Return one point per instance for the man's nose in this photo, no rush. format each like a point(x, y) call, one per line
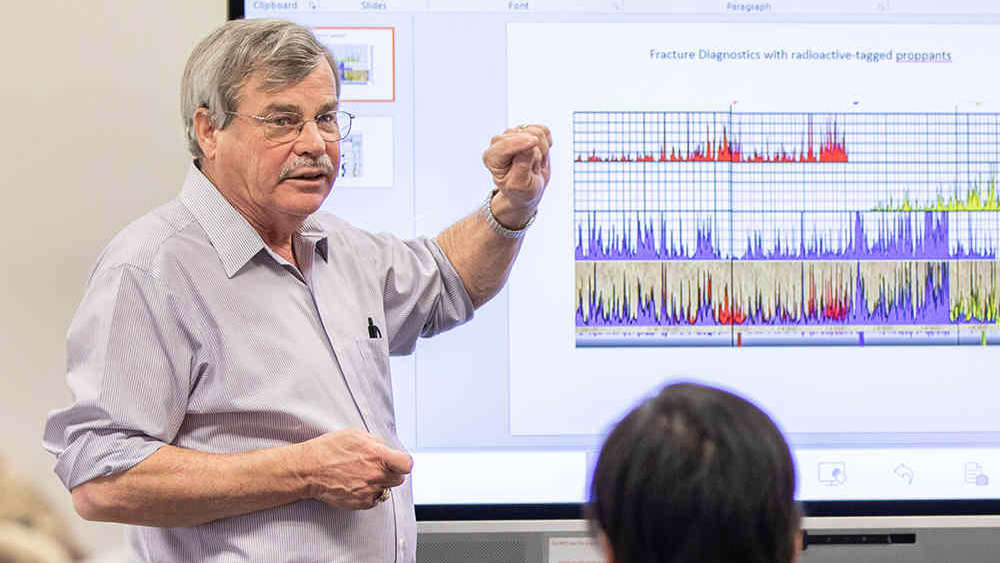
point(309, 140)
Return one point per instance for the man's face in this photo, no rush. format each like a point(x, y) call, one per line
point(272, 182)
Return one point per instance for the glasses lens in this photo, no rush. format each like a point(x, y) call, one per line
point(343, 124)
point(282, 127)
point(332, 126)
point(328, 126)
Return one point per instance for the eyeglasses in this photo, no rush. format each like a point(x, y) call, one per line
point(285, 127)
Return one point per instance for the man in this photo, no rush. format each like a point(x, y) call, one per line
point(695, 474)
point(229, 361)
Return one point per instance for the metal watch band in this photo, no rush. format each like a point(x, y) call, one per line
point(497, 227)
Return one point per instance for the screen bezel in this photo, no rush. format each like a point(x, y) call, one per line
point(574, 511)
point(821, 508)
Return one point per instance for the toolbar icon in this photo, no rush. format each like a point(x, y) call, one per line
point(832, 473)
point(904, 472)
point(974, 475)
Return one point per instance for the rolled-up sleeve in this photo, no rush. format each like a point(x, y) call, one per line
point(422, 293)
point(129, 363)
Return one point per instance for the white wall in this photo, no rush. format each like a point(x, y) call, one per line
point(90, 139)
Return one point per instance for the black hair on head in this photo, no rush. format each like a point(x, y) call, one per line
point(696, 475)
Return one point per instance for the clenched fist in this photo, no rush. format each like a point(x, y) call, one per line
point(350, 468)
point(518, 159)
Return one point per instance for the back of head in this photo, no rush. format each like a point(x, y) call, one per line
point(696, 475)
point(282, 52)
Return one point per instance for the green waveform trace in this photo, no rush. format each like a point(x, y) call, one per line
point(975, 199)
point(978, 302)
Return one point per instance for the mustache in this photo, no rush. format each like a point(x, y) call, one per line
point(306, 162)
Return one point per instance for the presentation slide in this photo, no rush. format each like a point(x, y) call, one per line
point(795, 201)
point(366, 155)
point(365, 57)
point(804, 213)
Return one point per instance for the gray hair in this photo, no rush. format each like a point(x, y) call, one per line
point(222, 63)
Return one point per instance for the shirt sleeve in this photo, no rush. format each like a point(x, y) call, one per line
point(423, 294)
point(128, 367)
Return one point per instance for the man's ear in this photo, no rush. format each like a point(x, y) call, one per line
point(206, 133)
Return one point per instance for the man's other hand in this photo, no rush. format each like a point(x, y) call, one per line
point(350, 468)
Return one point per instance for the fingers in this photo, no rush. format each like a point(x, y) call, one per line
point(397, 461)
point(372, 495)
point(515, 140)
point(351, 468)
point(379, 497)
point(540, 131)
point(390, 479)
point(518, 160)
point(520, 172)
point(503, 149)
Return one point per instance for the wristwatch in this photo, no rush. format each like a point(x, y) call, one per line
point(491, 219)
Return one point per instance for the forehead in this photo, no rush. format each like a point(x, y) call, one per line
point(316, 90)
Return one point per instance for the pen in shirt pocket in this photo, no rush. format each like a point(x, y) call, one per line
point(373, 331)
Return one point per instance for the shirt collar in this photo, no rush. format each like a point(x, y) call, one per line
point(313, 229)
point(231, 235)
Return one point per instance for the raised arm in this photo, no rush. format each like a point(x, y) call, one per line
point(482, 253)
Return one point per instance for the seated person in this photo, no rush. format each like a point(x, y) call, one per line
point(695, 475)
point(31, 530)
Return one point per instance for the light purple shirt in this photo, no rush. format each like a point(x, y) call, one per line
point(194, 333)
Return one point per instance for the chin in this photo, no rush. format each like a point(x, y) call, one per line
point(310, 206)
point(303, 202)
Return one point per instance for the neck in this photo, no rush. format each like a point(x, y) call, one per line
point(277, 237)
point(275, 229)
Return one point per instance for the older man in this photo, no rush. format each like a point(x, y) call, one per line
point(229, 361)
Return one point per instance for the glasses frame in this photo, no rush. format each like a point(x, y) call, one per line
point(263, 120)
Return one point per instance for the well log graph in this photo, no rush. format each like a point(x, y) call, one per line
point(786, 229)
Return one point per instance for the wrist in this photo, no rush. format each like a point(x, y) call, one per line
point(505, 218)
point(297, 461)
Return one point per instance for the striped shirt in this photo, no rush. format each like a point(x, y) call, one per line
point(192, 332)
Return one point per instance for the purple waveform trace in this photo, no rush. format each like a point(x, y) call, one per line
point(620, 244)
point(599, 315)
point(897, 239)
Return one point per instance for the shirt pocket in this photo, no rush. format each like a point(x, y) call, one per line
point(374, 376)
